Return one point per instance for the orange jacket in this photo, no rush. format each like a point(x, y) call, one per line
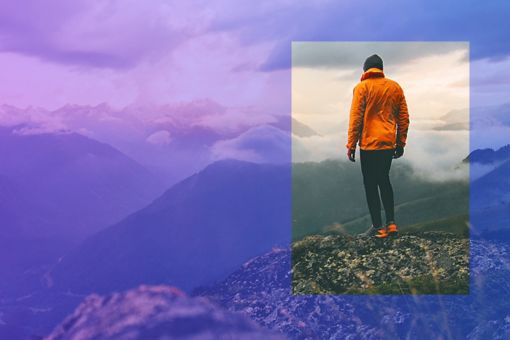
point(378, 118)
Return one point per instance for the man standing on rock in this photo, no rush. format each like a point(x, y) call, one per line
point(379, 122)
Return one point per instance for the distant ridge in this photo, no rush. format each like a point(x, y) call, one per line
point(488, 155)
point(197, 231)
point(302, 130)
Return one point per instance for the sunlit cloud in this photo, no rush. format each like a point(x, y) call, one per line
point(263, 143)
point(160, 137)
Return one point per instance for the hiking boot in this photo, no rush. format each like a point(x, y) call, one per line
point(382, 233)
point(375, 232)
point(392, 229)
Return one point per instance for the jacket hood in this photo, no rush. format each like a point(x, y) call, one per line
point(373, 72)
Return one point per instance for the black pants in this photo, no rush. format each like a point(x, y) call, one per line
point(375, 166)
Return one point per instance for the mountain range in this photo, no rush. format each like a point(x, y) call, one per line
point(489, 193)
point(488, 155)
point(206, 225)
point(196, 232)
point(57, 189)
point(173, 141)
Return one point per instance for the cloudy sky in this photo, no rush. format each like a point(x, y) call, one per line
point(124, 51)
point(237, 54)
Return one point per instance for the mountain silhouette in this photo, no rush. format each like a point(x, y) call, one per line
point(302, 130)
point(197, 231)
point(58, 188)
point(488, 155)
point(490, 203)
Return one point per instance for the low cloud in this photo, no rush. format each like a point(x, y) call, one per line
point(264, 143)
point(235, 120)
point(438, 155)
point(317, 148)
point(161, 137)
point(435, 155)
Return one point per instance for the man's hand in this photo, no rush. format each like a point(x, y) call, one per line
point(399, 152)
point(350, 154)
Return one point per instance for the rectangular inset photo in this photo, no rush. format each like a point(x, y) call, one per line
point(380, 181)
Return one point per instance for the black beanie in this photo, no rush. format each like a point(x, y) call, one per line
point(373, 61)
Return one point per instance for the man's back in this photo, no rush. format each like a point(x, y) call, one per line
point(378, 119)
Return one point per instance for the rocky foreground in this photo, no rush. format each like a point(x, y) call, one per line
point(155, 312)
point(428, 263)
point(262, 290)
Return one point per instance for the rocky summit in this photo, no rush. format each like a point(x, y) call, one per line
point(155, 312)
point(261, 289)
point(425, 263)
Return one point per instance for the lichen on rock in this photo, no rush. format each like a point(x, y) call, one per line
point(426, 263)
